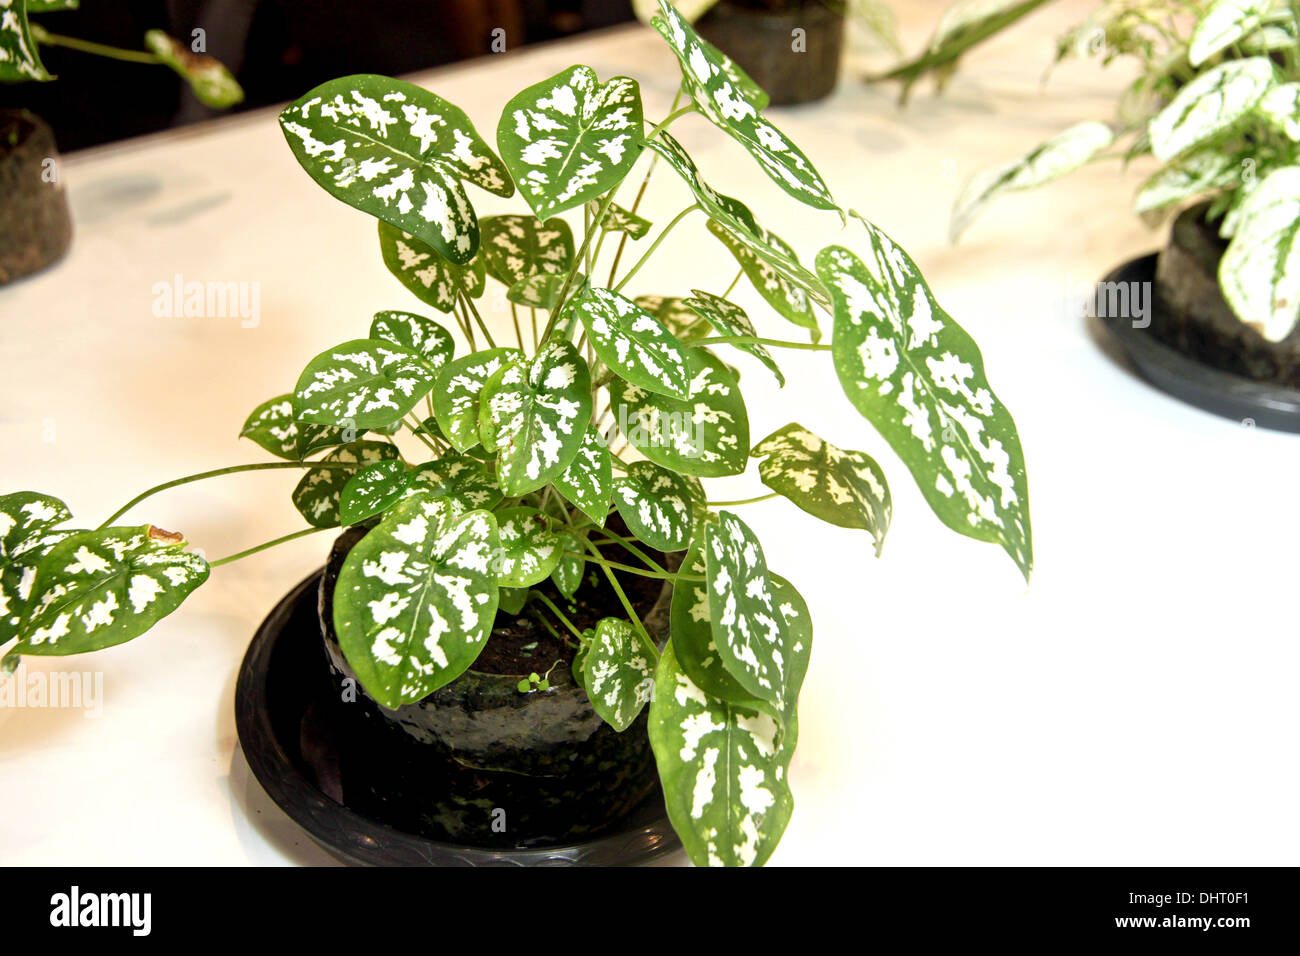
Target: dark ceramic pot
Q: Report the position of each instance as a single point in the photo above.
(792, 66)
(35, 223)
(480, 763)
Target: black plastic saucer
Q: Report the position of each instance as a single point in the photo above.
(283, 681)
(1232, 396)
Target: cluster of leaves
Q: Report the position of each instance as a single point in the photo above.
(521, 477)
(1217, 102)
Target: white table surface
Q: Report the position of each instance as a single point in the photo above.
(1135, 705)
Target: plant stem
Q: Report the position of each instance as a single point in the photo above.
(469, 304)
(651, 648)
(618, 539)
(418, 432)
(262, 547)
(751, 340)
(598, 559)
(558, 613)
(519, 335)
(655, 245)
(577, 260)
(743, 501)
(739, 273)
(41, 35)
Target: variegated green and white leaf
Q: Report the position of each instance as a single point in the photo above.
(416, 599)
(1061, 154)
(570, 138)
(457, 389)
(713, 81)
(1184, 178)
(705, 435)
(423, 336)
(1223, 24)
(27, 534)
(460, 478)
(20, 57)
(656, 504)
(515, 247)
(674, 314)
(273, 425)
(724, 771)
(319, 494)
(790, 299)
(95, 589)
(362, 384)
(918, 377)
(633, 343)
(529, 551)
(568, 570)
(1280, 105)
(534, 415)
(1279, 32)
(730, 319)
(541, 290)
(399, 153)
(1211, 104)
(211, 82)
(845, 488)
(372, 489)
(429, 275)
(588, 482)
(619, 675)
(618, 219)
(1260, 271)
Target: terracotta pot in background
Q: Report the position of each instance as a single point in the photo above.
(35, 222)
(764, 44)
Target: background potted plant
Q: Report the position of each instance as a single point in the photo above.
(35, 223)
(1217, 103)
(504, 606)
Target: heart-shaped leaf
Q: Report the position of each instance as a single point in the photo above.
(633, 343)
(211, 82)
(320, 492)
(273, 425)
(569, 138)
(429, 275)
(656, 504)
(363, 384)
(1184, 178)
(372, 489)
(618, 219)
(568, 570)
(95, 589)
(423, 336)
(515, 247)
(541, 290)
(457, 389)
(534, 414)
(460, 478)
(618, 673)
(27, 534)
(20, 57)
(1210, 104)
(730, 319)
(918, 377)
(846, 488)
(1260, 271)
(1222, 24)
(416, 599)
(529, 551)
(399, 153)
(789, 298)
(588, 482)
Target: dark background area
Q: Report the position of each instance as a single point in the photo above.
(277, 49)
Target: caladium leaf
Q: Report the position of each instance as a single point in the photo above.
(730, 319)
(1280, 105)
(789, 298)
(28, 532)
(1260, 271)
(20, 57)
(429, 275)
(211, 82)
(570, 138)
(275, 427)
(372, 489)
(568, 570)
(95, 589)
(656, 504)
(1063, 153)
(618, 219)
(675, 315)
(846, 488)
(416, 599)
(457, 389)
(918, 377)
(713, 82)
(529, 549)
(515, 247)
(1184, 178)
(319, 494)
(541, 290)
(423, 336)
(1223, 24)
(724, 771)
(399, 153)
(588, 482)
(1211, 104)
(633, 343)
(363, 384)
(534, 414)
(460, 478)
(705, 435)
(618, 672)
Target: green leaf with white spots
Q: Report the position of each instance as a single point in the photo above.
(1224, 23)
(730, 319)
(363, 384)
(588, 482)
(675, 315)
(372, 489)
(1063, 153)
(273, 425)
(416, 599)
(529, 549)
(567, 575)
(845, 488)
(724, 769)
(571, 138)
(534, 414)
(423, 336)
(95, 589)
(1211, 104)
(320, 492)
(633, 343)
(705, 435)
(1260, 271)
(788, 298)
(618, 672)
(714, 84)
(541, 290)
(20, 57)
(511, 600)
(459, 477)
(618, 219)
(457, 389)
(27, 534)
(918, 377)
(429, 275)
(515, 247)
(399, 153)
(656, 504)
(211, 82)
(1186, 177)
(1280, 106)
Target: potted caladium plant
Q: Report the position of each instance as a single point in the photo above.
(1217, 104)
(543, 617)
(35, 223)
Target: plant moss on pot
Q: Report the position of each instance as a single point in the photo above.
(35, 223)
(482, 762)
(790, 49)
